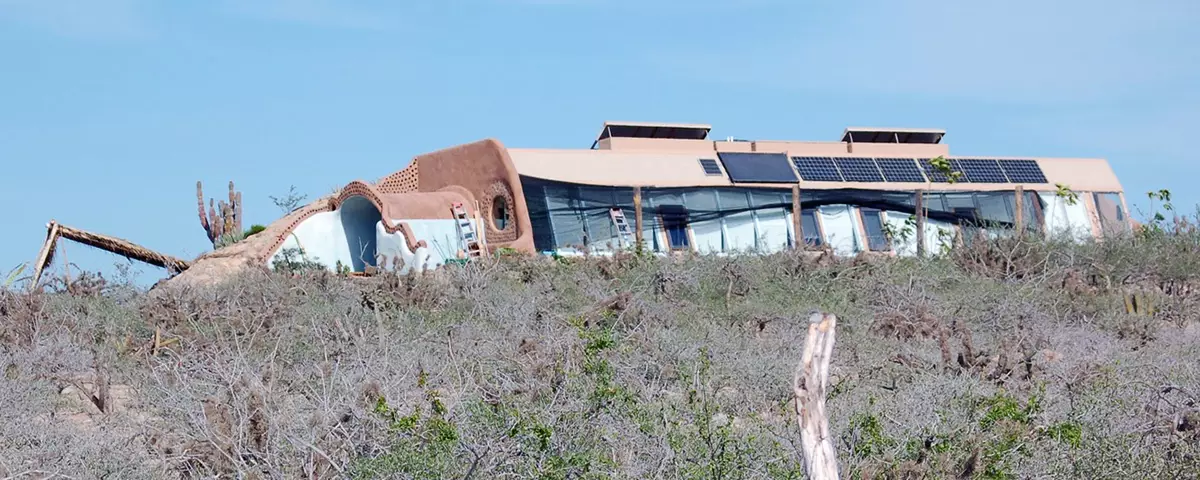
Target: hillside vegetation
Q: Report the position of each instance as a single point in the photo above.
(1008, 359)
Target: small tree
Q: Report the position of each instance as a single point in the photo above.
(291, 202)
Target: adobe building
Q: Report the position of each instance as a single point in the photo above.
(685, 192)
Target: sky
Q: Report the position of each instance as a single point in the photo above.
(111, 110)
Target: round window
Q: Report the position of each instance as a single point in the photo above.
(499, 213)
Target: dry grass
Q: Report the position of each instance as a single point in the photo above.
(1009, 359)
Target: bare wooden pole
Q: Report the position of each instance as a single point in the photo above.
(1019, 215)
(919, 202)
(797, 225)
(44, 255)
(812, 378)
(115, 245)
(637, 216)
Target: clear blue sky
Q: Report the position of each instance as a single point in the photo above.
(110, 110)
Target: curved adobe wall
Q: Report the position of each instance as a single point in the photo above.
(403, 206)
(485, 171)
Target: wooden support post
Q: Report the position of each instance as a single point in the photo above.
(637, 217)
(919, 201)
(1019, 215)
(44, 255)
(811, 380)
(797, 225)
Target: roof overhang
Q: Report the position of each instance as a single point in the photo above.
(678, 131)
(893, 135)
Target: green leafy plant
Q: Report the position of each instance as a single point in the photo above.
(14, 274)
(254, 229)
(903, 233)
(293, 260)
(942, 165)
(1156, 226)
(1064, 192)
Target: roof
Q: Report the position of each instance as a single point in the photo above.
(610, 168)
(892, 135)
(682, 131)
(684, 169)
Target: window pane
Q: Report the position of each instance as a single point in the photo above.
(995, 207)
(566, 218)
(873, 223)
(1112, 213)
(812, 231)
(739, 220)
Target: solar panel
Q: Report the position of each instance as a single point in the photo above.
(1023, 171)
(858, 169)
(817, 169)
(900, 170)
(937, 176)
(710, 166)
(978, 170)
(757, 167)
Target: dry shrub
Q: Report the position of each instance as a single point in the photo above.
(979, 365)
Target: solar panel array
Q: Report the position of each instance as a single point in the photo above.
(765, 167)
(859, 169)
(1023, 171)
(710, 166)
(817, 169)
(982, 170)
(900, 170)
(744, 167)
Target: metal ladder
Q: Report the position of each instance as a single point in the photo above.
(466, 231)
(618, 218)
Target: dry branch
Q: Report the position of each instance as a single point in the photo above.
(115, 245)
(812, 378)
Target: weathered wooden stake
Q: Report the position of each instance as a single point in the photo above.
(44, 255)
(797, 225)
(1019, 215)
(637, 216)
(812, 378)
(919, 202)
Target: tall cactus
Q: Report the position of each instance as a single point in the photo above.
(223, 223)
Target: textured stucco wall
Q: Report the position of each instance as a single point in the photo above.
(322, 237)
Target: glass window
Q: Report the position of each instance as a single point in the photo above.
(674, 219)
(810, 227)
(995, 207)
(1112, 213)
(877, 240)
(566, 217)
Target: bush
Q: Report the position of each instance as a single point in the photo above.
(980, 365)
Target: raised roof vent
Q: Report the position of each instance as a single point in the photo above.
(893, 135)
(678, 131)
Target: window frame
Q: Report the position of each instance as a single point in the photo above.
(880, 215)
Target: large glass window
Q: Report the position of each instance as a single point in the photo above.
(674, 219)
(1112, 212)
(877, 240)
(569, 230)
(811, 229)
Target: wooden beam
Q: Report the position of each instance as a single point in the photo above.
(809, 385)
(44, 254)
(115, 245)
(797, 225)
(919, 201)
(637, 216)
(124, 248)
(1019, 215)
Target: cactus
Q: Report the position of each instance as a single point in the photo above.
(224, 219)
